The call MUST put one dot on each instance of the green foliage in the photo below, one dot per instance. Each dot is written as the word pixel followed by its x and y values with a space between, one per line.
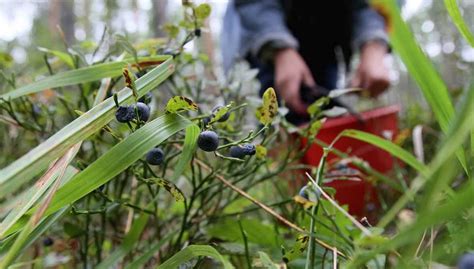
pixel 180 103
pixel 455 14
pixel 84 181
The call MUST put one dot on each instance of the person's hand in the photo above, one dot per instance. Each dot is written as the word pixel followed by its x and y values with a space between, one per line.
pixel 372 74
pixel 290 73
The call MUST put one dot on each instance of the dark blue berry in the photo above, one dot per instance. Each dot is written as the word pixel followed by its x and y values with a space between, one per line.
pixel 143 111
pixel 223 118
pixel 466 261
pixel 241 151
pixel 208 141
pixel 197 32
pixel 303 193
pixel 146 98
pixel 155 156
pixel 206 121
pixel 125 113
pixel 48 241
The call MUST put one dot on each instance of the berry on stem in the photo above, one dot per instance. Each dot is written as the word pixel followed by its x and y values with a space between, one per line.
pixel 125 114
pixel 155 156
pixel 208 141
pixel 223 118
pixel 48 241
pixel 241 151
pixel 143 111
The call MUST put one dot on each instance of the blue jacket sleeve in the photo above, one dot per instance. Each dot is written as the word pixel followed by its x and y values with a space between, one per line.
pixel 368 26
pixel 251 24
pixel 262 21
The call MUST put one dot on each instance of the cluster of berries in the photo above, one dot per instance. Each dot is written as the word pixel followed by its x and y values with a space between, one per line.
pixel 128 113
pixel 209 140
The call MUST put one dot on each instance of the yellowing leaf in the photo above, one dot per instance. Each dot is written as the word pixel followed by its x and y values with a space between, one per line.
pixel 267 112
pixel 170 187
pixel 261 152
pixel 180 103
pixel 297 250
pixel 303 201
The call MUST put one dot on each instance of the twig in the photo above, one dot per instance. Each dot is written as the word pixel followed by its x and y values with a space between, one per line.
pixel 334 258
pixel 338 207
pixel 260 204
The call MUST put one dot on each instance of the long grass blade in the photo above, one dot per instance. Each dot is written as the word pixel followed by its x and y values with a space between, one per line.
pixel 453 10
pixel 390 147
pixel 114 162
pixel 40 187
pixel 81 75
pixel 32 163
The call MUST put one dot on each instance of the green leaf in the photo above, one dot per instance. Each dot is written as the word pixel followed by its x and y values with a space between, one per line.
pixel 191 252
pixel 172 30
pixel 390 147
pixel 219 113
pixel 189 147
pixel 37 159
pixel 316 107
pixel 180 103
pixel 267 112
pixel 114 161
pixel 66 58
pixel 202 11
pixel 462 127
pixel 455 14
pixel 420 68
pixel 82 75
pixel 256 231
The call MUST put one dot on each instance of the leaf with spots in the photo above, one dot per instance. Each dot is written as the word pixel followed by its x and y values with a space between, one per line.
pixel 169 187
pixel 180 103
pixel 297 250
pixel 261 152
pixel 267 112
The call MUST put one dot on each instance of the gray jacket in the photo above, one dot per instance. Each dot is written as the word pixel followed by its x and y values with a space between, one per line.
pixel 250 24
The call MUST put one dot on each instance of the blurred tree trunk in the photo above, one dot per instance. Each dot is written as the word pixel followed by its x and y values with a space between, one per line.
pixel 61 12
pixel 158 17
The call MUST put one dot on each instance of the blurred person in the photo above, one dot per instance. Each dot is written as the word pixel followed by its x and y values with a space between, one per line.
pixel 294 45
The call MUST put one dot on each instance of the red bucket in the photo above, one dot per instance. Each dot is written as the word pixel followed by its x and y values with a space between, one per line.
pixel 360 196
